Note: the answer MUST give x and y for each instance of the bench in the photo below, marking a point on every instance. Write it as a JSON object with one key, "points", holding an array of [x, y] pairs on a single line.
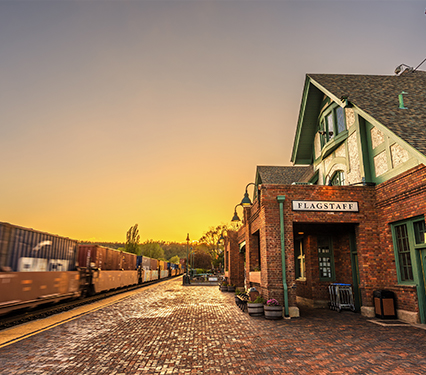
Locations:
{"points": [[241, 301]]}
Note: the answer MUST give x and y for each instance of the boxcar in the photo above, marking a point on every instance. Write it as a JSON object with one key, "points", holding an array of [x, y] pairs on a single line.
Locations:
{"points": [[28, 250], [37, 267]]}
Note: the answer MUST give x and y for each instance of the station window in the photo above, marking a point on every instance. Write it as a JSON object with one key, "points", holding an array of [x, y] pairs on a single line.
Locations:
{"points": [[299, 257], [408, 237], [338, 179], [419, 232], [403, 249], [332, 123], [325, 258]]}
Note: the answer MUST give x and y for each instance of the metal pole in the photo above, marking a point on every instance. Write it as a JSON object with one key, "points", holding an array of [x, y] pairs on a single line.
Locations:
{"points": [[193, 260], [187, 260]]}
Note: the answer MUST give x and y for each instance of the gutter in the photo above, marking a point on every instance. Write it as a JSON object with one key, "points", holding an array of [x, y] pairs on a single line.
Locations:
{"points": [[281, 199]]}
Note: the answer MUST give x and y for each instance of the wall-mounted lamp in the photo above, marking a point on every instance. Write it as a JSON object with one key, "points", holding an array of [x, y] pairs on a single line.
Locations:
{"points": [[221, 238], [236, 218], [345, 101], [401, 67], [246, 202]]}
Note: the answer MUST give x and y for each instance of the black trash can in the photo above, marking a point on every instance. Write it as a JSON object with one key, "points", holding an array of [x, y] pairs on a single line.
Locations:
{"points": [[384, 304]]}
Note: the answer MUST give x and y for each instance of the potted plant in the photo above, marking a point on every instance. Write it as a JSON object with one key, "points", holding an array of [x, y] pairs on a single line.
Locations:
{"points": [[223, 287], [273, 309], [255, 308], [231, 288]]}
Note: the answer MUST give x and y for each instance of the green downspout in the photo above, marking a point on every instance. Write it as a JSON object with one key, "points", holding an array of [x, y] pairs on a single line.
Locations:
{"points": [[281, 199]]}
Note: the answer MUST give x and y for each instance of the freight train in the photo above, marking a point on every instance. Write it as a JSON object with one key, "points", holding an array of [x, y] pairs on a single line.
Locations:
{"points": [[38, 268]]}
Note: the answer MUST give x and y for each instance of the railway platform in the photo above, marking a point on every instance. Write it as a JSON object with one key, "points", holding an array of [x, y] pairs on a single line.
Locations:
{"points": [[168, 328]]}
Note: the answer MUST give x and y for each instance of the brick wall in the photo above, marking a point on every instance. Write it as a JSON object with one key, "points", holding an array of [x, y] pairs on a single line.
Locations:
{"points": [[400, 198], [235, 259]]}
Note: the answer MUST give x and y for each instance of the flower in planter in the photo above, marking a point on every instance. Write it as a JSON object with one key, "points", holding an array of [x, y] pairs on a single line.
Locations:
{"points": [[272, 302]]}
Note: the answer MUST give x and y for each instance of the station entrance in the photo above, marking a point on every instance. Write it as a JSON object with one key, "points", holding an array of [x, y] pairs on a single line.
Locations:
{"points": [[324, 254]]}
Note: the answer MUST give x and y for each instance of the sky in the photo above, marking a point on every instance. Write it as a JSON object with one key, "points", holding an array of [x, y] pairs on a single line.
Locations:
{"points": [[117, 112]]}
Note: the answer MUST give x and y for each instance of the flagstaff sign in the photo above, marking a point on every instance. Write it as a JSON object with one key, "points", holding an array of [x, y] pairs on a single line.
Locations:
{"points": [[325, 206]]}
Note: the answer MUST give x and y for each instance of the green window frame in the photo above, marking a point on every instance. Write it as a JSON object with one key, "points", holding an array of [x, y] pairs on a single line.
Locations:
{"points": [[332, 123], [338, 179], [326, 258], [408, 236]]}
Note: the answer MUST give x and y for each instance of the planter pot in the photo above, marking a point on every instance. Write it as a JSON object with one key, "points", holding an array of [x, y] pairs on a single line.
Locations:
{"points": [[273, 312], [223, 288], [231, 288], [255, 309]]}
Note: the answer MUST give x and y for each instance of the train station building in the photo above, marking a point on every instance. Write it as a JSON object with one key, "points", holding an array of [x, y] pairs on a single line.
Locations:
{"points": [[351, 208]]}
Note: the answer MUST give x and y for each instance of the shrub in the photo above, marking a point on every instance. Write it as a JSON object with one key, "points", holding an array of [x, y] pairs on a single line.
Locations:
{"points": [[259, 299]]}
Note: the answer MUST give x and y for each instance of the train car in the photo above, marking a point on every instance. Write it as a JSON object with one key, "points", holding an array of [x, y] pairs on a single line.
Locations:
{"points": [[154, 264], [163, 270], [175, 269], [128, 261], [107, 269], [93, 256], [36, 267]]}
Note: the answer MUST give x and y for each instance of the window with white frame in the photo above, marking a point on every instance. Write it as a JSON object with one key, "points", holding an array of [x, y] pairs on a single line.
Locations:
{"points": [[325, 258], [338, 179]]}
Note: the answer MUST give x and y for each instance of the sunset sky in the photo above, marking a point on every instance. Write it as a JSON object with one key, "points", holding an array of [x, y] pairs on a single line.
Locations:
{"points": [[158, 112]]}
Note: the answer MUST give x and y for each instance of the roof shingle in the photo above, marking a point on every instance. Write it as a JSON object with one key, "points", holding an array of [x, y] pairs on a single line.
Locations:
{"points": [[283, 175], [378, 97]]}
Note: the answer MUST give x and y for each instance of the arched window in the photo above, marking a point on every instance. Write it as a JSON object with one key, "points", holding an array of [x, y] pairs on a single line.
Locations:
{"points": [[338, 179]]}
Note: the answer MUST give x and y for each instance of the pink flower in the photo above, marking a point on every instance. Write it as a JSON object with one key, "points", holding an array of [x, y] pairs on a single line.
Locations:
{"points": [[272, 302]]}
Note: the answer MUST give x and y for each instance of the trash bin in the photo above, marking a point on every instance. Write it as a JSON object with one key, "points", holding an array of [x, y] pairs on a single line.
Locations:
{"points": [[384, 304]]}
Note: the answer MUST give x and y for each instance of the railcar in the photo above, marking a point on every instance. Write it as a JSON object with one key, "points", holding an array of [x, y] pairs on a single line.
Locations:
{"points": [[38, 267]]}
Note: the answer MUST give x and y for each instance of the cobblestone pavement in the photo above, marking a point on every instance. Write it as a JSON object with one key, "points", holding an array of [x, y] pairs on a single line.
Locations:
{"points": [[171, 329]]}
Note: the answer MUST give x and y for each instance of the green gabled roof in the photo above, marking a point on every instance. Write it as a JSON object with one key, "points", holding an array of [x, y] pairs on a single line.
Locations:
{"points": [[374, 97], [307, 124]]}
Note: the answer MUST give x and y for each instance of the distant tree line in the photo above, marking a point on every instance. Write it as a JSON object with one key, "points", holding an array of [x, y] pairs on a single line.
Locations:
{"points": [[207, 252]]}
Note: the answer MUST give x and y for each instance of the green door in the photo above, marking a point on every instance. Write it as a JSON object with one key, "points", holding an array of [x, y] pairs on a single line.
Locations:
{"points": [[421, 286], [420, 250], [355, 271]]}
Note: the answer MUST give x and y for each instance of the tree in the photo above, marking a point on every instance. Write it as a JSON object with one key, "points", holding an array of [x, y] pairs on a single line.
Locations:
{"points": [[202, 259], [173, 248], [174, 259], [132, 240], [211, 243], [151, 249]]}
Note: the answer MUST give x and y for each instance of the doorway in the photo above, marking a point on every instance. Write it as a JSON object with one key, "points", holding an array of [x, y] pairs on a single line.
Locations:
{"points": [[324, 254]]}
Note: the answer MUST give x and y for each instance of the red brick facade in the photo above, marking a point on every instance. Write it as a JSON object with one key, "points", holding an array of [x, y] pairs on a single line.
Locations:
{"points": [[397, 199], [233, 256]]}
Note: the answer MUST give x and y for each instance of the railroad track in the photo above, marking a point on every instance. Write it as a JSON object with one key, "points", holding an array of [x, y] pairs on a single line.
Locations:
{"points": [[16, 317]]}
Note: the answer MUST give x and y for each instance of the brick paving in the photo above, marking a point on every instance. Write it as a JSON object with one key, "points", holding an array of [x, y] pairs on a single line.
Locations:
{"points": [[171, 329]]}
